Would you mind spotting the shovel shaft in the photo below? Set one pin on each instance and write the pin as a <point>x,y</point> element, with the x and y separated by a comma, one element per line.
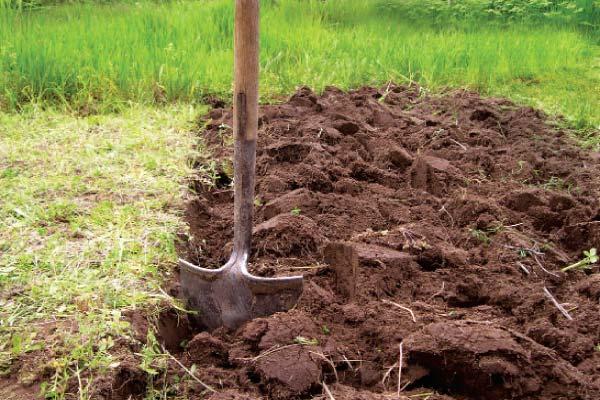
<point>246,43</point>
<point>245,124</point>
<point>230,295</point>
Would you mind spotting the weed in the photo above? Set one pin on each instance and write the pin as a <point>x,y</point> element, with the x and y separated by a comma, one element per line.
<point>484,235</point>
<point>545,247</point>
<point>521,164</point>
<point>481,236</point>
<point>295,211</point>
<point>590,258</point>
<point>556,183</point>
<point>152,358</point>
<point>306,342</point>
<point>209,173</point>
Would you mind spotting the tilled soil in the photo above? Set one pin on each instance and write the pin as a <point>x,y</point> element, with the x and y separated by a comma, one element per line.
<point>458,214</point>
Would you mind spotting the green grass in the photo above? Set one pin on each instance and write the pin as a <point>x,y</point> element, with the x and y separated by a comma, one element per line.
<point>89,211</point>
<point>100,58</point>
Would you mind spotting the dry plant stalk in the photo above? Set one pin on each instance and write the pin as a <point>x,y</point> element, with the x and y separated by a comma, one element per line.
<point>328,361</point>
<point>190,373</point>
<point>400,370</point>
<point>557,304</point>
<point>328,392</point>
<point>268,352</point>
<point>412,314</point>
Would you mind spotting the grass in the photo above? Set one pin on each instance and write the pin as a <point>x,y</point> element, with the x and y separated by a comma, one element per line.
<point>89,210</point>
<point>99,58</point>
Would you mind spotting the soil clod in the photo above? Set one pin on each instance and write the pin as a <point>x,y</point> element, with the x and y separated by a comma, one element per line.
<point>344,260</point>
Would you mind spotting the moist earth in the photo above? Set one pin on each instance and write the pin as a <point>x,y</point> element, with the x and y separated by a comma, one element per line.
<point>431,232</point>
<point>460,211</point>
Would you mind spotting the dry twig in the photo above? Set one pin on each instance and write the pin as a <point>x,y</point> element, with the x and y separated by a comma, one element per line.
<point>327,391</point>
<point>458,143</point>
<point>190,373</point>
<point>447,213</point>
<point>345,359</point>
<point>328,361</point>
<point>557,304</point>
<point>439,292</point>
<point>400,370</point>
<point>523,267</point>
<point>268,352</point>
<point>544,269</point>
<point>386,376</point>
<point>412,314</point>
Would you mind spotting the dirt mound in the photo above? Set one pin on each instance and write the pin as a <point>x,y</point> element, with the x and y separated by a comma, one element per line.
<point>460,211</point>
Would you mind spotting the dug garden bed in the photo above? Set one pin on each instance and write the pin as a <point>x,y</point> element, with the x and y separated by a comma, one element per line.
<point>459,213</point>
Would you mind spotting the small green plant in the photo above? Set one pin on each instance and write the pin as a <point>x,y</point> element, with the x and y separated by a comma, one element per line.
<point>597,348</point>
<point>590,258</point>
<point>481,235</point>
<point>227,169</point>
<point>151,355</point>
<point>326,330</point>
<point>209,174</point>
<point>258,202</point>
<point>296,211</point>
<point>523,253</point>
<point>305,341</point>
<point>555,183</point>
<point>521,164</point>
<point>485,235</point>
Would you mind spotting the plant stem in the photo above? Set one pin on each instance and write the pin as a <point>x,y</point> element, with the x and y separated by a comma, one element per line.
<point>579,264</point>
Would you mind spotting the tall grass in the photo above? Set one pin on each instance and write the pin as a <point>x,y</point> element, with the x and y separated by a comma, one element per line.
<point>103,56</point>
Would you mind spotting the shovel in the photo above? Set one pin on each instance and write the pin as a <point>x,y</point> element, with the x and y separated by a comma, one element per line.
<point>230,295</point>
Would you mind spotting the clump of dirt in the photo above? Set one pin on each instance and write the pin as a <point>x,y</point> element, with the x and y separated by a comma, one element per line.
<point>493,360</point>
<point>460,211</point>
<point>127,381</point>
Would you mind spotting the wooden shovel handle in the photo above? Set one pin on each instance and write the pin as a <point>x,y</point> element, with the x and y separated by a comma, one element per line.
<point>246,53</point>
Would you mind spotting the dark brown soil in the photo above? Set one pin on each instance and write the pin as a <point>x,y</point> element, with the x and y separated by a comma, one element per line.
<point>442,200</point>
